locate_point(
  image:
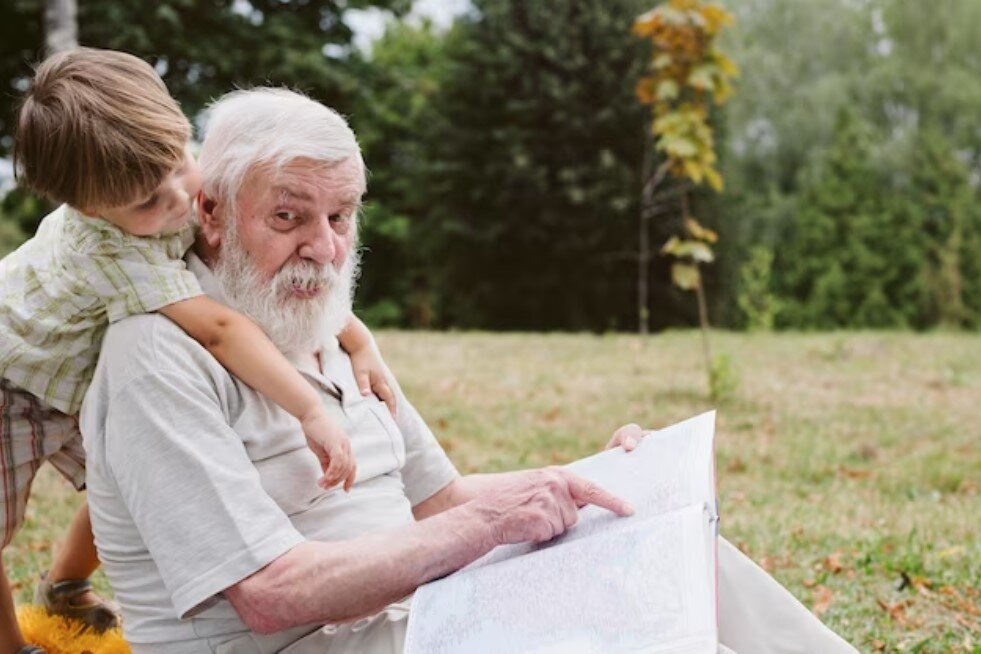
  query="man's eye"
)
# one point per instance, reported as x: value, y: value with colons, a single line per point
x: 287, y: 216
x: 336, y: 218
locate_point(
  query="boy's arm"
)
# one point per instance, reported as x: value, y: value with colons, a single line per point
x: 245, y: 351
x: 370, y: 372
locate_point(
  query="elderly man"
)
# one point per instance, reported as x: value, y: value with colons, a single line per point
x: 203, y: 494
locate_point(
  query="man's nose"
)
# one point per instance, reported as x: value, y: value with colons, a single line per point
x: 320, y: 243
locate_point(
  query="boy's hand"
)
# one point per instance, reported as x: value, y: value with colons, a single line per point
x: 373, y: 376
x: 333, y: 449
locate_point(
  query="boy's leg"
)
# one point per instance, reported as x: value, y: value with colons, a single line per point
x: 21, y: 452
x: 10, y: 636
x: 759, y: 616
x: 76, y: 558
x: 65, y: 589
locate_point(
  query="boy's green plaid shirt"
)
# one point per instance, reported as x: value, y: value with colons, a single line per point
x: 63, y: 288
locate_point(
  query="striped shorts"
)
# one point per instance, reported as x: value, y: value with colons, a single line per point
x: 30, y: 434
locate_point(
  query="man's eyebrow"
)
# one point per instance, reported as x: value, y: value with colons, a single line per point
x: 293, y: 193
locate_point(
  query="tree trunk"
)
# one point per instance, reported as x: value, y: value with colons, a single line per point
x: 703, y: 323
x: 644, y: 241
x: 60, y: 25
x: 647, y: 212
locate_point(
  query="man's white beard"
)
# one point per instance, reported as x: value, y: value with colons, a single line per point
x: 293, y: 324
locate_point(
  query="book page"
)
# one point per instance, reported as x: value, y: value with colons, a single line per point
x: 669, y: 469
x: 647, y: 587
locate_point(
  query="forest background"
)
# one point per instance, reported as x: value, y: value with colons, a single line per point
x: 507, y: 152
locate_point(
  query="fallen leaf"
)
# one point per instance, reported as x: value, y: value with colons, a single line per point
x: 832, y: 562
x: 809, y: 583
x: 551, y: 414
x: 855, y: 473
x: 736, y: 465
x: 896, y: 611
x: 878, y: 645
x: 822, y: 599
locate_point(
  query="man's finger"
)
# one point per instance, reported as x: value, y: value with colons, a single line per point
x: 586, y: 492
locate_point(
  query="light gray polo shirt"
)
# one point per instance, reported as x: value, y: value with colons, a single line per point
x: 195, y: 481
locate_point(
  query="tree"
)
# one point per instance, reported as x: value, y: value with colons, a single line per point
x: 395, y: 120
x: 535, y: 166
x: 686, y: 75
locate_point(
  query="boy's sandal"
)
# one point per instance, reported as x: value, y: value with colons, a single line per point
x: 31, y: 649
x: 61, y: 598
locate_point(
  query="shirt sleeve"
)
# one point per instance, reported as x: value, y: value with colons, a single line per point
x: 427, y: 468
x: 186, y: 480
x: 138, y: 279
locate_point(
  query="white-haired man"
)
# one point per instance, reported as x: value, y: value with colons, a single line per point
x: 203, y: 495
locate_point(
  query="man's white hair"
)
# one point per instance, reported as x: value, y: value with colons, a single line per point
x: 268, y: 126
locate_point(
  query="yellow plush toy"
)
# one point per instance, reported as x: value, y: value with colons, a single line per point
x: 58, y: 635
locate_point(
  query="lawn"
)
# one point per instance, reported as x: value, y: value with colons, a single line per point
x: 849, y: 465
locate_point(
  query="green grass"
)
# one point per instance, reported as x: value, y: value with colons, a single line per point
x: 849, y: 465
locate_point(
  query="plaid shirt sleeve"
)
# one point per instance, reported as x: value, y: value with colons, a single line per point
x: 142, y: 277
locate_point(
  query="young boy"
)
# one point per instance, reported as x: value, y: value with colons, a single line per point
x: 99, y: 133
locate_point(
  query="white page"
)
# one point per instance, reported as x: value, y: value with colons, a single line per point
x: 669, y: 474
x: 669, y: 469
x: 643, y: 588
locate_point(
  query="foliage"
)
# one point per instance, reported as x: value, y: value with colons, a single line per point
x: 756, y: 299
x: 686, y: 73
x: 874, y: 141
x: 507, y: 154
x: 394, y: 119
x: 202, y: 49
x: 894, y: 257
x: 689, y: 252
x: 723, y: 379
x: 533, y: 167
x: 685, y: 76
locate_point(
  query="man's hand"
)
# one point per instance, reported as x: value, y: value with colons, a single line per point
x: 333, y: 449
x: 373, y: 376
x: 628, y: 436
x: 539, y: 505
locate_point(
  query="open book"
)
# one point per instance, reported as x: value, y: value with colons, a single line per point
x: 646, y: 583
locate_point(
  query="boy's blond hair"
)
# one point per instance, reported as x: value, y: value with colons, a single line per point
x: 98, y: 129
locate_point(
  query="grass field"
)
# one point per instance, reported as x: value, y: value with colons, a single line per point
x: 849, y: 465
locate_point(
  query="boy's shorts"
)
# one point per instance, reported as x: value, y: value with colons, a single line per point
x: 31, y: 432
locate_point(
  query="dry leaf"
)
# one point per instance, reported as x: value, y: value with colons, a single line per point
x: 832, y: 563
x: 896, y: 611
x: 736, y: 465
x: 855, y: 473
x: 551, y: 414
x: 822, y: 599
x: 878, y: 645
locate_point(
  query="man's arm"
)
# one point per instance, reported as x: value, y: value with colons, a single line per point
x: 459, y: 491
x: 322, y: 583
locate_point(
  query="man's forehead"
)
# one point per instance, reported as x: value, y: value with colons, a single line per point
x: 308, y: 181
x: 302, y: 193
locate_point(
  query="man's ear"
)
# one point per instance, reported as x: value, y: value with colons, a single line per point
x: 209, y: 217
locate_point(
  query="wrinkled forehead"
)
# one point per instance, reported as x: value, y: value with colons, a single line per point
x: 309, y: 181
